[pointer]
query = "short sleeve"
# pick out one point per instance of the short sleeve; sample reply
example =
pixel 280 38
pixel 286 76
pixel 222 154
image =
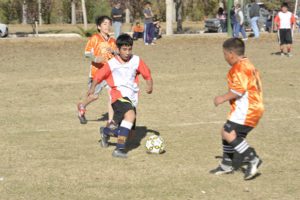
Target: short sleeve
pixel 144 70
pixel 237 82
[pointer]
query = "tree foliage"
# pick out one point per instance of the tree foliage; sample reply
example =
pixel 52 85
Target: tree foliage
pixel 59 11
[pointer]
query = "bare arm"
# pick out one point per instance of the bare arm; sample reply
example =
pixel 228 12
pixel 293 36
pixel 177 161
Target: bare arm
pixel 149 86
pixel 226 97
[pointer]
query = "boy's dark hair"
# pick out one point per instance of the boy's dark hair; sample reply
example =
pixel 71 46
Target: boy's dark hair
pixel 100 19
pixel 285 5
pixel 148 3
pixel 253 1
pixel 124 40
pixel 235 45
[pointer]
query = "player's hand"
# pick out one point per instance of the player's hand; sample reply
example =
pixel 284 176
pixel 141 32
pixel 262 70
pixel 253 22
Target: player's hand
pixel 91 91
pixel 149 90
pixel 218 100
pixel 98 59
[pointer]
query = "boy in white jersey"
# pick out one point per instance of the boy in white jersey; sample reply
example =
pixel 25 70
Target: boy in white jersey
pixel 121 74
pixel 284 23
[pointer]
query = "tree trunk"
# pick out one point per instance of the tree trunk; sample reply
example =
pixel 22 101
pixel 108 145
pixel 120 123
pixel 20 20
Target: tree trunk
pixel 169 14
pixel 24 12
pixel 229 6
pixel 127 15
pixel 40 12
pixel 296 6
pixel 73 12
pixel 179 16
pixel 84 14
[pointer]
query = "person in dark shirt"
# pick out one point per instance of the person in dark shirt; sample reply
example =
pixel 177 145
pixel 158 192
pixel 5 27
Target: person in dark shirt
pixel 117 17
pixel 254 16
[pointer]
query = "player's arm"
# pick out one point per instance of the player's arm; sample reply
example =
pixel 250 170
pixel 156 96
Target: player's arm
pixel 276 23
pixel 225 97
pixel 100 75
pixel 146 73
pixel 237 83
pixel 89 51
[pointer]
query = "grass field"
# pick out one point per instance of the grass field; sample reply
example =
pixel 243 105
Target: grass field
pixel 47 154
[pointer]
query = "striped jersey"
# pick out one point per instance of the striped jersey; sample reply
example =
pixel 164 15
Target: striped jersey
pixel 244 80
pixel 97 46
pixel 122 77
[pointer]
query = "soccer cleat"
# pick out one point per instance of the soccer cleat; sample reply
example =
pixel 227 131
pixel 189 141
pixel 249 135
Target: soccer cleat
pixel 252 168
pixel 282 54
pixel 119 153
pixel 81 113
pixel 146 43
pixel 245 39
pixel 104 138
pixel 289 55
pixel 222 169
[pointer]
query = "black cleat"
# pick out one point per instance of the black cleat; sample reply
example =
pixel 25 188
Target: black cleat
pixel 222 169
pixel 104 138
pixel 82 119
pixel 252 168
pixel 118 153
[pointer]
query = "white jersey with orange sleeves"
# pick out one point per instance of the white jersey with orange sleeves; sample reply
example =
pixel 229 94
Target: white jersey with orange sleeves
pixel 122 77
pixel 97 46
pixel 243 80
pixel 285 20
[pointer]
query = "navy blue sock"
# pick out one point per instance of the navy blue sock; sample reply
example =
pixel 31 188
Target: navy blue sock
pixel 125 128
pixel 111 132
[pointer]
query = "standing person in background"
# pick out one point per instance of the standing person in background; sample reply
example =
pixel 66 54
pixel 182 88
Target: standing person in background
pixel 117 17
pixel 254 15
pixel 239 24
pixel 221 15
pixel 148 27
pixel 285 23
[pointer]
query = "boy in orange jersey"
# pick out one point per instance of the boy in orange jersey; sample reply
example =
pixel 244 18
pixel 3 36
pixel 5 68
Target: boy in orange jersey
pixel 245 98
pixel 138 31
pixel 99 49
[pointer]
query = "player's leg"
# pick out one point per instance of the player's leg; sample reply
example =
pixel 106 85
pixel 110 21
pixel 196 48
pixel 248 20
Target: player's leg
pixel 81 106
pixel 110 110
pixel 289 41
pixel 225 167
pixel 281 38
pixel 124 130
pixel 243 152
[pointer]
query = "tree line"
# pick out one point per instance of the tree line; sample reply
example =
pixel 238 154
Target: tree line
pixel 60 11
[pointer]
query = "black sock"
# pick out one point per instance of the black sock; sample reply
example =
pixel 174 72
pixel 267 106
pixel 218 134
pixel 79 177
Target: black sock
pixel 227 153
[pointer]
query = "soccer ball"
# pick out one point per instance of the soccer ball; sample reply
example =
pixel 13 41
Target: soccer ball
pixel 155 144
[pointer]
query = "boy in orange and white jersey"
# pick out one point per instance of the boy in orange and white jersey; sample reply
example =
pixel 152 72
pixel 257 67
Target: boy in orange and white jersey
pixel 285 22
pixel 246 103
pixel 99 49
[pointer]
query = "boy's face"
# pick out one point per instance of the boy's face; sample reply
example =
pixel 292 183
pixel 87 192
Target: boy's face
pixel 284 9
pixel 229 56
pixel 105 26
pixel 125 52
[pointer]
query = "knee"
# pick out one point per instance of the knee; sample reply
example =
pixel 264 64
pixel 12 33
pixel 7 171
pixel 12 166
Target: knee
pixel 130 116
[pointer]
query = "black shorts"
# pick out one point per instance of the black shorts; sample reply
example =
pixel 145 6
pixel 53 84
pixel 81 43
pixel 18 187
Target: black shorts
pixel 285 36
pixel 120 107
pixel 241 130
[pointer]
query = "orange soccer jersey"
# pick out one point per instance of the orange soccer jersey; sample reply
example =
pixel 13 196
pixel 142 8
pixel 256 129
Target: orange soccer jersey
pixel 97 46
pixel 243 80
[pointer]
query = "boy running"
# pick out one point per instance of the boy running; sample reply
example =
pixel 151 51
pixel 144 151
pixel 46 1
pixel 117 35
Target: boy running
pixel 99 49
pixel 121 73
pixel 285 22
pixel 246 102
